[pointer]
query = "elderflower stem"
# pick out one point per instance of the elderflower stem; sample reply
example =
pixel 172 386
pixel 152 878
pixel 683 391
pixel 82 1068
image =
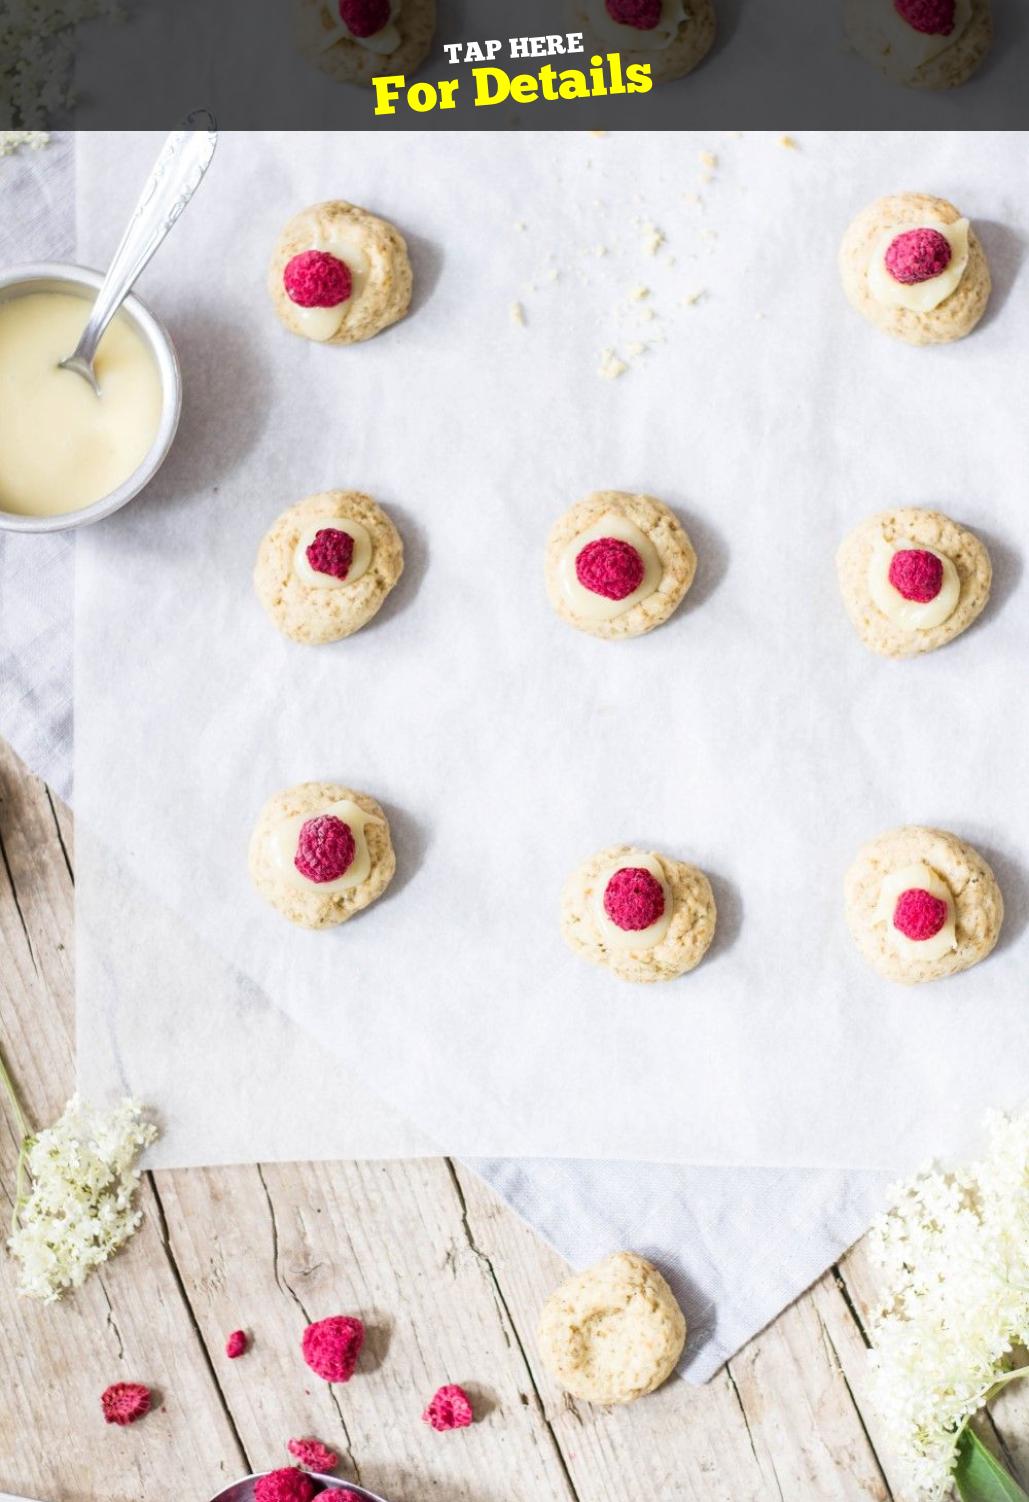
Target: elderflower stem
pixel 24 1137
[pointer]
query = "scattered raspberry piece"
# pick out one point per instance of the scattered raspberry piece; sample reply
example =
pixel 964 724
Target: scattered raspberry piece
pixel 313 1455
pixel 125 1402
pixel 643 14
pixel 449 1409
pixel 332 552
pixel 363 18
pixel 286 1485
pixel 325 848
pixel 916 574
pixel 934 17
pixel 918 914
pixel 236 1344
pixel 917 256
pixel 609 567
pixel 331 1347
pixel 633 899
pixel 314 279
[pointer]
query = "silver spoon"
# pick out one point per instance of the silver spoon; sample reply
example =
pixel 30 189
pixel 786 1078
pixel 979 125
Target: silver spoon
pixel 243 1491
pixel 177 173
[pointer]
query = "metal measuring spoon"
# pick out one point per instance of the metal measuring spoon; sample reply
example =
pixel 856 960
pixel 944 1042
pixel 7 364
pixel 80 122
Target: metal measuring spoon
pixel 243 1490
pixel 177 173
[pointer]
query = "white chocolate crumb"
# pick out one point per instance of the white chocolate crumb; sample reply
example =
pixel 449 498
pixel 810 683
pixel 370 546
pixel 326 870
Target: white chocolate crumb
pixel 611 367
pixel 638 347
pixel 518 314
pixel 639 294
pixel 648 315
pixel 653 239
pixel 789 143
pixel 709 160
pixel 692 298
pixel 600 250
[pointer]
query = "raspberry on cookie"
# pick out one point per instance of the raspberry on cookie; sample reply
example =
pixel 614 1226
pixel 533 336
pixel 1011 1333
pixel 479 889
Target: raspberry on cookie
pixel 355 40
pixel 320 853
pixel 922 904
pixel 912 580
pixel 618 564
pixel 913 267
pixel 339 275
pixel 672 37
pixel 644 916
pixel 922 44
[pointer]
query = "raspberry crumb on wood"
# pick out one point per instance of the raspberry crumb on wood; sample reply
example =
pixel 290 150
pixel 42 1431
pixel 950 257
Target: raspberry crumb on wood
pixel 450 1408
pixel 125 1402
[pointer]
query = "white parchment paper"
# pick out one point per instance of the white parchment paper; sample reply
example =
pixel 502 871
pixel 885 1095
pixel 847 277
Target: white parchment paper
pixel 753 734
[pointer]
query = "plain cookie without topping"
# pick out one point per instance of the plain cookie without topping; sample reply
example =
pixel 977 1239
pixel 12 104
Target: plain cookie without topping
pixel 675 563
pixel 926 529
pixel 692 43
pixel 345 59
pixel 315 613
pixel 958 313
pixel 305 904
pixel 978 905
pixel 867 30
pixel 380 295
pixel 690 930
pixel 614 1333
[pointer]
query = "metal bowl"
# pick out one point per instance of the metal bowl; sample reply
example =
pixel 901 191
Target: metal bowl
pixel 54 276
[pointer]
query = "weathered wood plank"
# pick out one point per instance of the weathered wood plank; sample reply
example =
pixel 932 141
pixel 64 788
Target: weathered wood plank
pixel 270 1249
pixel 131 1322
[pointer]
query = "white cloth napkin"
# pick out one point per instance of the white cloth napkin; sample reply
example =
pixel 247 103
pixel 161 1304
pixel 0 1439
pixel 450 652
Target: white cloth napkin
pixel 737 1244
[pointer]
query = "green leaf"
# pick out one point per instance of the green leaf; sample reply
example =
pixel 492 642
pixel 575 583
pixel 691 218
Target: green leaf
pixel 979 1477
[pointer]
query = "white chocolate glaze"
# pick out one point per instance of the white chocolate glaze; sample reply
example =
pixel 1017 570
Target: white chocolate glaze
pixel 63 447
pixel 674 13
pixel 597 607
pixel 346 243
pixel 640 938
pixel 283 847
pixel 358 564
pixel 910 614
pixel 919 297
pixel 920 877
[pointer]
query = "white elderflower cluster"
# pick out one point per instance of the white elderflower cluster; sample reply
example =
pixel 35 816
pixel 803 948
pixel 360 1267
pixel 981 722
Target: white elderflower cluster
pixel 955 1250
pixel 81 1207
pixel 37 54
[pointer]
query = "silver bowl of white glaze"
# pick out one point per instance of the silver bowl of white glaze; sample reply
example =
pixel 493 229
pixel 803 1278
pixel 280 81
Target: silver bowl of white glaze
pixel 79 281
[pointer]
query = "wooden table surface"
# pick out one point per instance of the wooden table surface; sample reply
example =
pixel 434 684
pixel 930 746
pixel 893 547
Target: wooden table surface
pixel 447 1280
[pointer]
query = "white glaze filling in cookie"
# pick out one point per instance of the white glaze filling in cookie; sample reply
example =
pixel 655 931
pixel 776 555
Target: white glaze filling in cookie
pixel 284 840
pixel 597 607
pixel 384 41
pixel 919 879
pixel 911 614
pixel 359 563
pixel 347 244
pixel 623 938
pixel 919 297
pixel 912 48
pixel 674 15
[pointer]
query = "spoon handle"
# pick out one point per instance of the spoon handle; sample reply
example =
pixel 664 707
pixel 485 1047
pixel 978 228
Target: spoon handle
pixel 177 173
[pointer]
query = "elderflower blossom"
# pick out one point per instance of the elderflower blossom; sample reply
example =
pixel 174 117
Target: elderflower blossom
pixel 11 140
pixel 81 1207
pixel 37 54
pixel 955 1250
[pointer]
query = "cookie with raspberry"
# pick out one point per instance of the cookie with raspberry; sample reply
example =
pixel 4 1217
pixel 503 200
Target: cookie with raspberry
pixel 922 904
pixel 618 564
pixel 326 565
pixel 339 274
pixel 915 268
pixel 320 853
pixel 354 41
pixel 646 917
pixel 671 37
pixel 922 44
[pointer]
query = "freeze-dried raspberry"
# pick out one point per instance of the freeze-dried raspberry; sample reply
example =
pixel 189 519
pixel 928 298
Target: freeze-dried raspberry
pixel 331 1347
pixel 918 255
pixel 363 18
pixel 314 279
pixel 236 1344
pixel 917 574
pixel 610 567
pixel 313 1455
pixel 332 552
pixel 449 1409
pixel 325 848
pixel 918 914
pixel 125 1402
pixel 643 14
pixel 286 1485
pixel 633 899
pixel 934 17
